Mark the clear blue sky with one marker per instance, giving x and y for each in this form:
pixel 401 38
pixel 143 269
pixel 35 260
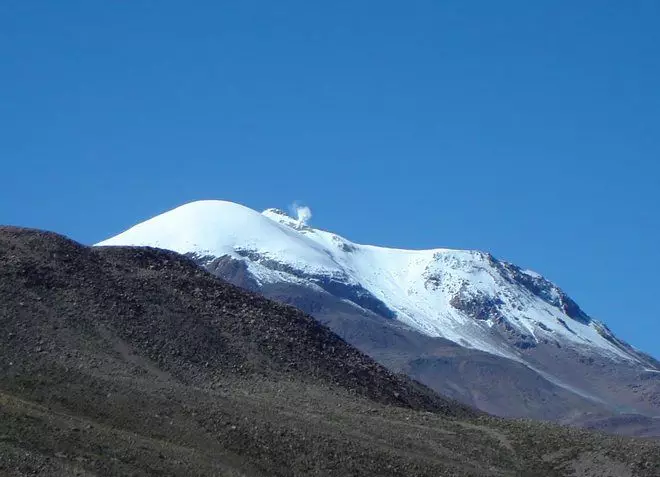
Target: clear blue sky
pixel 529 129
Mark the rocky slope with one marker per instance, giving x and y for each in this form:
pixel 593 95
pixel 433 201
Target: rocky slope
pixel 468 325
pixel 134 361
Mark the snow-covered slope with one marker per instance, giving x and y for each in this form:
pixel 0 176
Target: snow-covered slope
pixel 468 297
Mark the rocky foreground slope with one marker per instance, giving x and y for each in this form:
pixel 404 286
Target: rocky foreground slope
pixel 134 361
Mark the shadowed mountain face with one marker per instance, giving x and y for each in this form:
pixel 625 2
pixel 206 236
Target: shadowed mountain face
pixel 134 361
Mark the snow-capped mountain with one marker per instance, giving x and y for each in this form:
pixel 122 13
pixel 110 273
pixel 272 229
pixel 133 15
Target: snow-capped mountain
pixel 466 297
pixel 455 294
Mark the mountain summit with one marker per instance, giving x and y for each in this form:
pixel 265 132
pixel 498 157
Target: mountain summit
pixel 467 298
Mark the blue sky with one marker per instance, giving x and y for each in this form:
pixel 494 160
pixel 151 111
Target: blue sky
pixel 529 129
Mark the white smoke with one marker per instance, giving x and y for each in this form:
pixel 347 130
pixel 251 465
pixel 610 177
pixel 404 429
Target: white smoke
pixel 303 213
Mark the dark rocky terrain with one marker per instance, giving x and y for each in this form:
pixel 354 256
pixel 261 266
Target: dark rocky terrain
pixel 134 361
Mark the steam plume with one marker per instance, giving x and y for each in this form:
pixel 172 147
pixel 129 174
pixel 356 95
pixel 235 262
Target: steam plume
pixel 303 213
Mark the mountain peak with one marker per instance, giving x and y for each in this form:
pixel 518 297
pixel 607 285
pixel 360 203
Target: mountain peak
pixel 278 215
pixel 276 212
